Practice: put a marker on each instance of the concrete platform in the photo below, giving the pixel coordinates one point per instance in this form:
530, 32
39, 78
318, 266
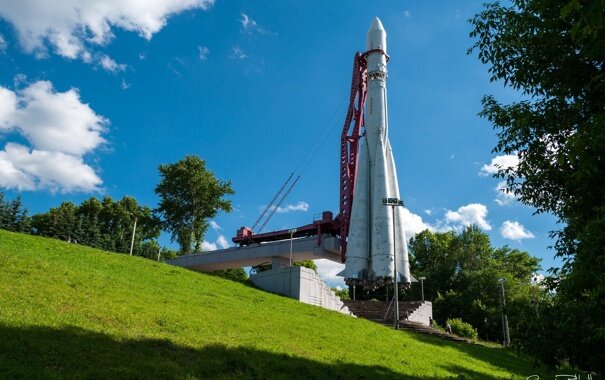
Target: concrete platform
276, 253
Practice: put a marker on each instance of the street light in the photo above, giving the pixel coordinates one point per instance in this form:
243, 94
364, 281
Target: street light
422, 286
292, 232
505, 332
394, 202
134, 230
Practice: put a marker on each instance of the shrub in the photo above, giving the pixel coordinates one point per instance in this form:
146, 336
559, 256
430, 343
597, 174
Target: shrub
343, 294
463, 329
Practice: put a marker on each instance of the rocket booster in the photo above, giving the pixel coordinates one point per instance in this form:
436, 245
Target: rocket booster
375, 229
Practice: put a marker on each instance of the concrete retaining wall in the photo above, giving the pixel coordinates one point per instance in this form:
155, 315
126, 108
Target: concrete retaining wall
302, 284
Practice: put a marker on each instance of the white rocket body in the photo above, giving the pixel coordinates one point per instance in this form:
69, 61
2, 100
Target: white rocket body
372, 238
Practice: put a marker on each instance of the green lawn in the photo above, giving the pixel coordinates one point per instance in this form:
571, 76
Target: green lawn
68, 311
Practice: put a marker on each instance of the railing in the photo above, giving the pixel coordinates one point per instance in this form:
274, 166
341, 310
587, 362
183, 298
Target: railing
389, 308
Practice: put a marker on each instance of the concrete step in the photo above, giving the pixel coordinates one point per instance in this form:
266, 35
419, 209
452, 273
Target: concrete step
375, 312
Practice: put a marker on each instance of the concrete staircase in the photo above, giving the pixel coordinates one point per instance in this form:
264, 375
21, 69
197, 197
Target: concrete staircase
413, 316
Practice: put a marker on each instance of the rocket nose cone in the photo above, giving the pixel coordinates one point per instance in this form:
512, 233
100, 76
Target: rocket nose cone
377, 36
376, 24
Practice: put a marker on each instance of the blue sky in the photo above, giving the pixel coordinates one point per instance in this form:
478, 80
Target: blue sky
95, 95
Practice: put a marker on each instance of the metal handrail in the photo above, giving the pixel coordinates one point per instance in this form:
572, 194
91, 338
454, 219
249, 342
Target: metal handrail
388, 308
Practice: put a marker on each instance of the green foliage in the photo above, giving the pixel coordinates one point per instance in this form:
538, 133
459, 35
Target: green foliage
105, 224
13, 216
167, 254
267, 266
190, 195
306, 263
343, 294
463, 329
462, 272
236, 274
70, 311
552, 51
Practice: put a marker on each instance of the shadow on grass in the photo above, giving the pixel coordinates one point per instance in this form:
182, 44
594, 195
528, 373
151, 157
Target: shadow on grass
495, 356
42, 352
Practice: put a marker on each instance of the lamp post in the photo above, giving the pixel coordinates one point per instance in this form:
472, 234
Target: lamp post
134, 230
505, 332
292, 232
394, 202
422, 286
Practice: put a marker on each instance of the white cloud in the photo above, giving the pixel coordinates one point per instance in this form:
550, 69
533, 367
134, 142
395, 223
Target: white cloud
412, 223
220, 243
537, 279
247, 22
515, 231
71, 27
8, 107
504, 196
110, 65
428, 212
300, 206
499, 163
238, 53
125, 85
23, 169
214, 225
328, 271
249, 25
207, 246
53, 121
473, 213
3, 44
203, 52
406, 13
60, 128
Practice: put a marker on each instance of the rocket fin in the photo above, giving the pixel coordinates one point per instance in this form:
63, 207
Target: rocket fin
403, 265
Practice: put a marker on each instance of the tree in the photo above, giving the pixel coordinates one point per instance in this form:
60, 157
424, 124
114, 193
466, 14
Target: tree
59, 222
13, 216
102, 224
190, 195
462, 271
553, 52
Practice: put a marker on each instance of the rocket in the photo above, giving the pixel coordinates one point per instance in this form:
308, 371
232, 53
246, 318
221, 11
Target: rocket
376, 234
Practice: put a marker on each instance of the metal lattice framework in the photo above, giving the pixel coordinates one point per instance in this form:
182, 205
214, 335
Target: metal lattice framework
349, 147
349, 150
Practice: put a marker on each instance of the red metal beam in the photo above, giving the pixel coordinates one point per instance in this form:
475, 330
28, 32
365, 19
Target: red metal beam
349, 147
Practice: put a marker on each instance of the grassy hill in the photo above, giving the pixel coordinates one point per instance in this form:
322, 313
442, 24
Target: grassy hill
68, 311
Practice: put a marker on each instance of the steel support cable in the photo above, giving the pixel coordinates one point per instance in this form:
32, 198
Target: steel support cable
262, 215
320, 139
314, 150
277, 205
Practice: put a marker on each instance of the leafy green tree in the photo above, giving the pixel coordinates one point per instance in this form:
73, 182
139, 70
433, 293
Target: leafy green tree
343, 294
553, 53
462, 272
190, 195
13, 216
105, 224
59, 222
89, 216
